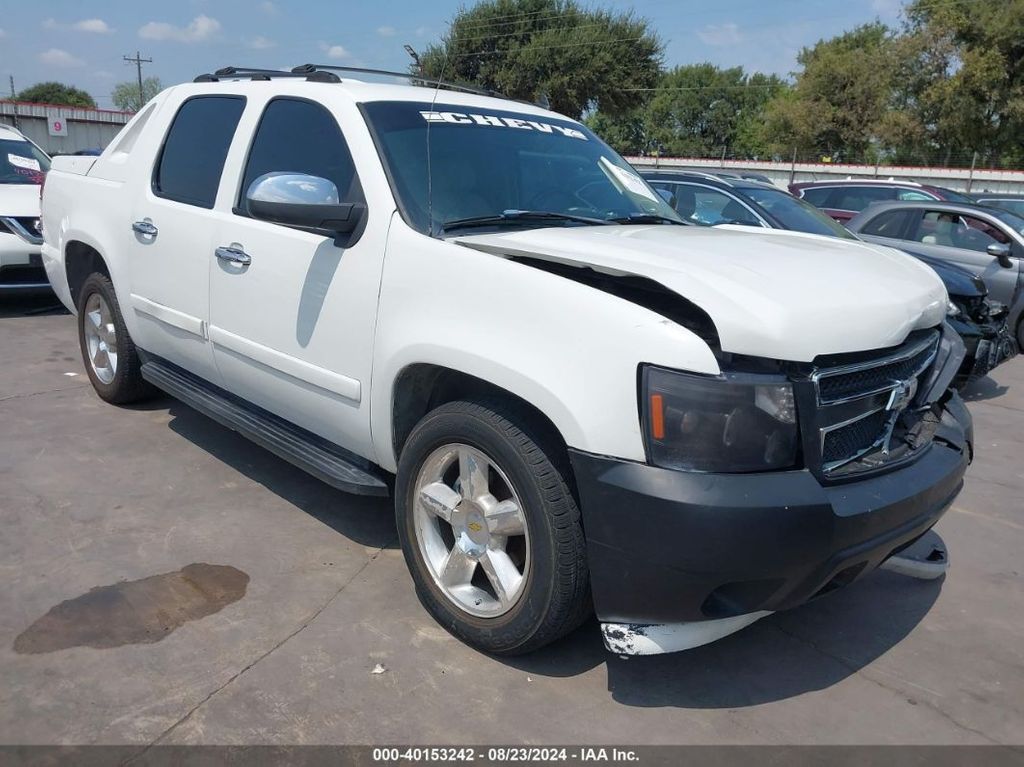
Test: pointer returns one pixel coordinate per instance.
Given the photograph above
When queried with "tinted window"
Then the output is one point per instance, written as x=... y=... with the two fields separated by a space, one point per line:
x=195 y=148
x=296 y=136
x=21 y=163
x=856 y=198
x=446 y=165
x=817 y=196
x=891 y=223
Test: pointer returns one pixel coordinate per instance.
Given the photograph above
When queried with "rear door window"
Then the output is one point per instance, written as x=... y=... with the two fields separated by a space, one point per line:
x=891 y=223
x=192 y=158
x=817 y=196
x=856 y=198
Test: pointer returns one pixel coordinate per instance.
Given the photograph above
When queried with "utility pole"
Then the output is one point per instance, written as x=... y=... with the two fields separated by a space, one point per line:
x=138 y=61
x=14 y=104
x=415 y=57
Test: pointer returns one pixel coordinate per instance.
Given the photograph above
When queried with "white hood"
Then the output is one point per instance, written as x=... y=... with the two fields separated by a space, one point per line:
x=770 y=293
x=19 y=200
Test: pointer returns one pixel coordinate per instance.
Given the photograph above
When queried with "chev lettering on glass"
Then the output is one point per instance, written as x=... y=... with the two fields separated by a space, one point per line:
x=461 y=118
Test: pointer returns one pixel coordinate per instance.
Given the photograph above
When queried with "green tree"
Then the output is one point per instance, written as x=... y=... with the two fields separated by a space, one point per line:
x=126 y=95
x=56 y=93
x=841 y=97
x=973 y=96
x=701 y=110
x=579 y=59
x=698 y=110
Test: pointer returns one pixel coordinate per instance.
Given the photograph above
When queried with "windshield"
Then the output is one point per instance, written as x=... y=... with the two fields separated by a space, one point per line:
x=795 y=214
x=1012 y=220
x=21 y=162
x=487 y=163
x=951 y=196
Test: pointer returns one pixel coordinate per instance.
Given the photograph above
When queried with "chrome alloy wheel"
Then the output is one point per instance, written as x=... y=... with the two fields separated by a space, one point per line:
x=471 y=530
x=100 y=338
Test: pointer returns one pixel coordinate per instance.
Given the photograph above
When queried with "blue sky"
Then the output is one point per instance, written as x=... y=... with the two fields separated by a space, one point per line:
x=82 y=42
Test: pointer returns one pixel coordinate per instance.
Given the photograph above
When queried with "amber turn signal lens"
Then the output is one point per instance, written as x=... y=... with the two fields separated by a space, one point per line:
x=657 y=417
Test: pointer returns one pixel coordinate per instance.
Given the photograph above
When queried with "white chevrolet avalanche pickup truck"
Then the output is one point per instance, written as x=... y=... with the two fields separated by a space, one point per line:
x=579 y=402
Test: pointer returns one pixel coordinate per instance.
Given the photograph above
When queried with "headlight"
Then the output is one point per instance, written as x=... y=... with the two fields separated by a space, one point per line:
x=952 y=310
x=718 y=424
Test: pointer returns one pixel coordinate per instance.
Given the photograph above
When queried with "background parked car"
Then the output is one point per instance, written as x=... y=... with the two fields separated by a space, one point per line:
x=1011 y=202
x=706 y=200
x=844 y=199
x=985 y=241
x=22 y=165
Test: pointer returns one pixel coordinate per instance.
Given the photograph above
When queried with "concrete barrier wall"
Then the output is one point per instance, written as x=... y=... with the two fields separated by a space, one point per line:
x=782 y=173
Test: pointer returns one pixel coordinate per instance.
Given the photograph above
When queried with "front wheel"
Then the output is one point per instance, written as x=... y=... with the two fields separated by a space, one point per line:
x=110 y=357
x=490 y=529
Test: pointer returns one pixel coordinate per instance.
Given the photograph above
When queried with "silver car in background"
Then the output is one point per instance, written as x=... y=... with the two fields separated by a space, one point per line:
x=986 y=241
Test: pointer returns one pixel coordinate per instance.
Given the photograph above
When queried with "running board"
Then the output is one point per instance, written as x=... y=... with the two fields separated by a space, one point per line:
x=299 y=447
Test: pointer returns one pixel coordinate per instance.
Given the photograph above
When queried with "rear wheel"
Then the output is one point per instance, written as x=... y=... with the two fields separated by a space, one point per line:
x=490 y=529
x=110 y=357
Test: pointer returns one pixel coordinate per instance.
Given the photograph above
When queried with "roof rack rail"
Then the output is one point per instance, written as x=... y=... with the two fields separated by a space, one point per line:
x=255 y=73
x=310 y=68
x=325 y=73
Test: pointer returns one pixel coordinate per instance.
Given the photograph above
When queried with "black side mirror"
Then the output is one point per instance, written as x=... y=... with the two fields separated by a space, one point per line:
x=1001 y=252
x=300 y=200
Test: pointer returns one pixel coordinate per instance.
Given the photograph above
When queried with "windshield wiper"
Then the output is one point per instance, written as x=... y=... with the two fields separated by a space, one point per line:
x=648 y=218
x=517 y=216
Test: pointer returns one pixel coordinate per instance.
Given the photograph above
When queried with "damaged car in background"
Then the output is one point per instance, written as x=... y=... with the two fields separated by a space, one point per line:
x=579 y=402
x=982 y=324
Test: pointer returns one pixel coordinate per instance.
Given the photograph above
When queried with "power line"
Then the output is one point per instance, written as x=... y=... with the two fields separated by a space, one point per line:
x=138 y=61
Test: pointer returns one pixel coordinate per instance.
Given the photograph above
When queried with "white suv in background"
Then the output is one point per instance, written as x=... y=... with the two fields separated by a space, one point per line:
x=22 y=167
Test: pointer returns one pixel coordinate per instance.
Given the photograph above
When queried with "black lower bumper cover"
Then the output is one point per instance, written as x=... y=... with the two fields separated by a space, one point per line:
x=669 y=546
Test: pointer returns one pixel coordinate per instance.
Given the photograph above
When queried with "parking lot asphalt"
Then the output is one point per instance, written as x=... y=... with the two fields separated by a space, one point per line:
x=165 y=581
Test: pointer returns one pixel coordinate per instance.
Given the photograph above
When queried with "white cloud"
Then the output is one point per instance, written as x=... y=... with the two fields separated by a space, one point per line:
x=268 y=8
x=261 y=43
x=99 y=26
x=386 y=31
x=201 y=28
x=50 y=23
x=720 y=34
x=334 y=51
x=55 y=57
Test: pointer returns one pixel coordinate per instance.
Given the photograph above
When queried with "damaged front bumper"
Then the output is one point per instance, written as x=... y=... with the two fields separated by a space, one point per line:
x=988 y=340
x=679 y=559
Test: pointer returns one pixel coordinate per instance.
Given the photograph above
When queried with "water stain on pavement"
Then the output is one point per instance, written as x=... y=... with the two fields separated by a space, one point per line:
x=135 y=612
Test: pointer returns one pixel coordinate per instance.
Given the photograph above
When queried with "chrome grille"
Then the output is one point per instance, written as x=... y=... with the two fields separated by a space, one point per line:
x=867 y=378
x=853 y=438
x=857 y=405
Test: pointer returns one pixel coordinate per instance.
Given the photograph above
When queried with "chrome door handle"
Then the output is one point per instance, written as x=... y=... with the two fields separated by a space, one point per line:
x=234 y=255
x=145 y=227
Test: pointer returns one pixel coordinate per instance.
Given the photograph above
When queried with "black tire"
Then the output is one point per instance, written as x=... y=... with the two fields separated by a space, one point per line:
x=127 y=385
x=1020 y=335
x=556 y=596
